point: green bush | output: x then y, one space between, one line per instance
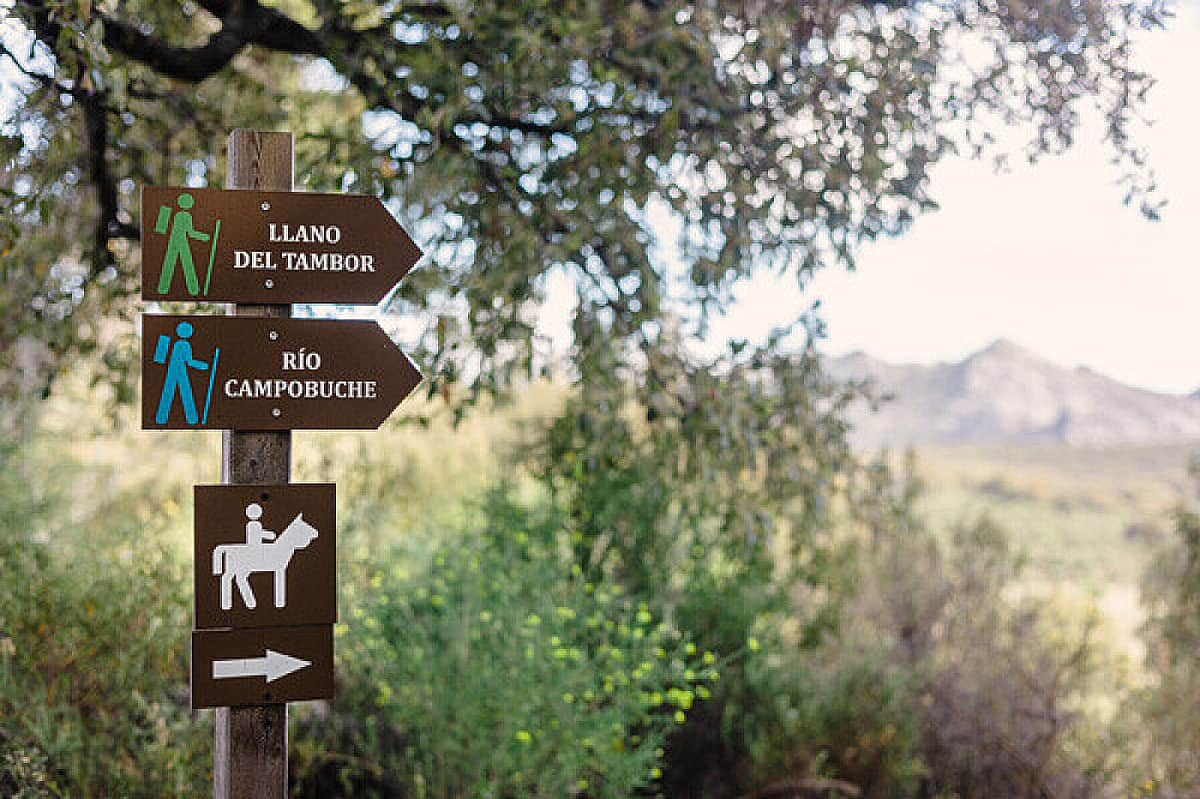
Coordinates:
1169 760
913 669
555 645
999 676
93 646
497 669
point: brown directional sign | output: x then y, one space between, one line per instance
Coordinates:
265 555
270 247
261 666
260 373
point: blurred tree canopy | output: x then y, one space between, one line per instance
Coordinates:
522 138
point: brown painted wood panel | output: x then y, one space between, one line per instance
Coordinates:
256 373
288 573
273 247
261 666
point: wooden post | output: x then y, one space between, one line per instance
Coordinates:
250 743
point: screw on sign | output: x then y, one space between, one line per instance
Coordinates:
254 373
270 247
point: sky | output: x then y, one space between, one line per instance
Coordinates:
1044 255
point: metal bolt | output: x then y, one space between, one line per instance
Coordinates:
273 335
276 412
265 206
270 284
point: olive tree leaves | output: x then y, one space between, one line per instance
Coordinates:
529 137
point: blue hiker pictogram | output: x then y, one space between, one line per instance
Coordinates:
179 245
179 361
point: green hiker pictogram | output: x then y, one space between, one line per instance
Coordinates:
179 246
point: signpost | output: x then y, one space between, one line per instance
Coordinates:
265 582
270 247
223 372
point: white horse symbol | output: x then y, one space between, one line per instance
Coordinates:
239 561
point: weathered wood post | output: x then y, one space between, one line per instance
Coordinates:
250 745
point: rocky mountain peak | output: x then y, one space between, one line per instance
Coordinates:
1005 392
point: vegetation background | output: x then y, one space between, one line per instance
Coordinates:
622 569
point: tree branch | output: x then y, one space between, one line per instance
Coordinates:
243 22
108 224
192 64
265 27
46 80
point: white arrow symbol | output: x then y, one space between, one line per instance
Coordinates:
273 666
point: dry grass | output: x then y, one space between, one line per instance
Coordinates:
1088 520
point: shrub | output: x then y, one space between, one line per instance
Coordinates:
1170 756
93 636
499 671
1000 678
935 678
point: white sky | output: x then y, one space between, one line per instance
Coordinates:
1045 255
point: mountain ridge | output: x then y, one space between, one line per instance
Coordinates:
1005 392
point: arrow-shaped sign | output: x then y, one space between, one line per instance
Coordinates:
261 373
272 666
270 247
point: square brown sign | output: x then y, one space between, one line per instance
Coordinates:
265 555
271 665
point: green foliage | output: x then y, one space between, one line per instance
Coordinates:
933 677
497 669
708 474
93 646
709 492
867 650
809 694
23 773
530 139
1171 592
841 711
1001 680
